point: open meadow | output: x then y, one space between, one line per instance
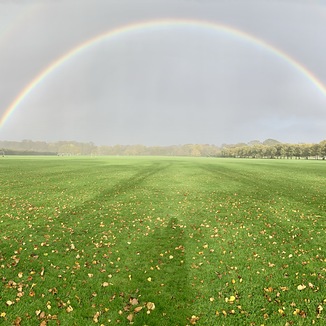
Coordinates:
162 241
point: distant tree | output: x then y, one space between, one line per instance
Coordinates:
306 150
287 150
315 150
297 150
278 150
322 150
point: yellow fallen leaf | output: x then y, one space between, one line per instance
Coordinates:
301 287
232 298
95 318
150 305
69 309
296 311
130 317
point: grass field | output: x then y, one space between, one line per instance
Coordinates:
162 241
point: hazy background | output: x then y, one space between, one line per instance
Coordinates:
163 86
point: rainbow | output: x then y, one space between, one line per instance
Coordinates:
171 23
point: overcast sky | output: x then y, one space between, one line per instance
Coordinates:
164 85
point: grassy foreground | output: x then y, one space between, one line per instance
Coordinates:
162 241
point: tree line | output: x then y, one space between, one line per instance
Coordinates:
270 148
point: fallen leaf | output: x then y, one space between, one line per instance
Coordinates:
69 309
301 287
130 317
95 318
193 320
150 306
232 298
133 301
137 309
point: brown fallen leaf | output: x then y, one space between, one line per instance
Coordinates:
133 301
17 321
130 317
193 320
137 309
127 307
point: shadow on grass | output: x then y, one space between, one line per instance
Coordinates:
160 275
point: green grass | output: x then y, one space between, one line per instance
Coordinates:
208 241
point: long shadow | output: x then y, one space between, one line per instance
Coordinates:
165 263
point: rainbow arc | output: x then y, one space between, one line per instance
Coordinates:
148 25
